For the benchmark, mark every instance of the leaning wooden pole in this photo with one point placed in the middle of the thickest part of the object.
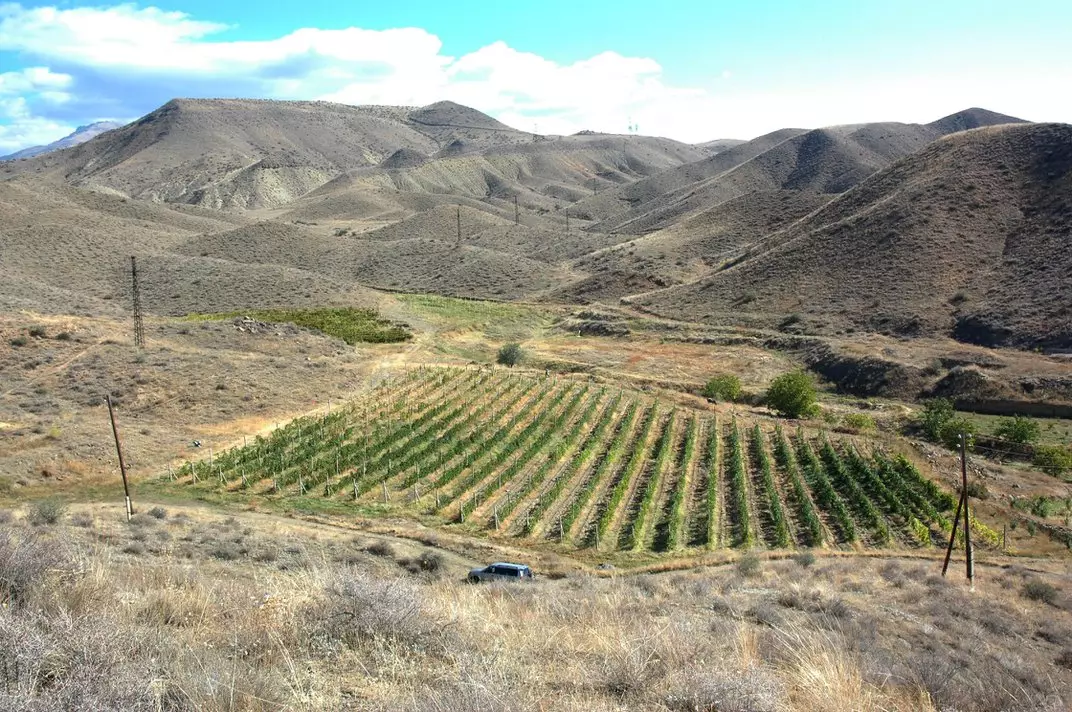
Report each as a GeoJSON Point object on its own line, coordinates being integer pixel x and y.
{"type": "Point", "coordinates": [119, 452]}
{"type": "Point", "coordinates": [969, 554]}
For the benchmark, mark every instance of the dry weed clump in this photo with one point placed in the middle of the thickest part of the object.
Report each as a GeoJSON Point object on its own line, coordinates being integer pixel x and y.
{"type": "Point", "coordinates": [26, 560]}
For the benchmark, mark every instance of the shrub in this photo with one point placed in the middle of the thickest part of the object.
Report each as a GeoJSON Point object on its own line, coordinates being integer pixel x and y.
{"type": "Point", "coordinates": [858, 422]}
{"type": "Point", "coordinates": [1019, 429]}
{"type": "Point", "coordinates": [804, 558]}
{"type": "Point", "coordinates": [1053, 459]}
{"type": "Point", "coordinates": [19, 341]}
{"type": "Point", "coordinates": [357, 607]}
{"type": "Point", "coordinates": [38, 332]}
{"type": "Point", "coordinates": [949, 434]}
{"type": "Point", "coordinates": [431, 561]}
{"type": "Point", "coordinates": [748, 565]}
{"type": "Point", "coordinates": [723, 387]}
{"type": "Point", "coordinates": [936, 413]}
{"type": "Point", "coordinates": [225, 551]}
{"type": "Point", "coordinates": [63, 336]}
{"type": "Point", "coordinates": [380, 548]}
{"type": "Point", "coordinates": [157, 513]}
{"type": "Point", "coordinates": [793, 395]}
{"type": "Point", "coordinates": [1037, 590]}
{"type": "Point", "coordinates": [510, 355]}
{"type": "Point", "coordinates": [47, 511]}
{"type": "Point", "coordinates": [24, 563]}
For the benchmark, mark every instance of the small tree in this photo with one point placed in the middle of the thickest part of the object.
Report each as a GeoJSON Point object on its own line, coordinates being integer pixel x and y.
{"type": "Point", "coordinates": [793, 395]}
{"type": "Point", "coordinates": [510, 355]}
{"type": "Point", "coordinates": [723, 387]}
{"type": "Point", "coordinates": [936, 413]}
{"type": "Point", "coordinates": [1019, 429]}
{"type": "Point", "coordinates": [949, 434]}
{"type": "Point", "coordinates": [1053, 459]}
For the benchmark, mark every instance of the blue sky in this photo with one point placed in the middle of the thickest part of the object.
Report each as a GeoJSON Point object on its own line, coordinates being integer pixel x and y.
{"type": "Point", "coordinates": [688, 70]}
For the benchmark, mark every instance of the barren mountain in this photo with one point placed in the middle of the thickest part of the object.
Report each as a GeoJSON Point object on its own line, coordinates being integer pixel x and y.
{"type": "Point", "coordinates": [828, 160]}
{"type": "Point", "coordinates": [689, 249]}
{"type": "Point", "coordinates": [969, 236]}
{"type": "Point", "coordinates": [972, 119]}
{"type": "Point", "coordinates": [446, 199]}
{"type": "Point", "coordinates": [264, 154]}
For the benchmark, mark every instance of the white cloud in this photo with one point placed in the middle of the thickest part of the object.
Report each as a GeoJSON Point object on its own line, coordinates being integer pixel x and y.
{"type": "Point", "coordinates": [33, 79]}
{"type": "Point", "coordinates": [125, 60]}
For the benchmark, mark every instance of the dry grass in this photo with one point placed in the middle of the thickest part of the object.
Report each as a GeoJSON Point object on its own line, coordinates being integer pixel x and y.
{"type": "Point", "coordinates": [96, 628]}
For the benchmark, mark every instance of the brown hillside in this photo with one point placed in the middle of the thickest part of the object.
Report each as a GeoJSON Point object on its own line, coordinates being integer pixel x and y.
{"type": "Point", "coordinates": [219, 152]}
{"type": "Point", "coordinates": [824, 161]}
{"type": "Point", "coordinates": [635, 196]}
{"type": "Point", "coordinates": [691, 248]}
{"type": "Point", "coordinates": [972, 119]}
{"type": "Point", "coordinates": [969, 236]}
{"type": "Point", "coordinates": [67, 250]}
{"type": "Point", "coordinates": [828, 160]}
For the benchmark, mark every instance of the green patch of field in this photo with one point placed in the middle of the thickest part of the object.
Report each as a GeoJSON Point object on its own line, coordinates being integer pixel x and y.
{"type": "Point", "coordinates": [578, 466]}
{"type": "Point", "coordinates": [497, 320]}
{"type": "Point", "coordinates": [1053, 431]}
{"type": "Point", "coordinates": [349, 324]}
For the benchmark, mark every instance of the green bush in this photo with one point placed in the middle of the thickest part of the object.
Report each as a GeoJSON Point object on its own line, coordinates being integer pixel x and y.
{"type": "Point", "coordinates": [1019, 429]}
{"type": "Point", "coordinates": [859, 422]}
{"type": "Point", "coordinates": [1053, 459]}
{"type": "Point", "coordinates": [723, 387]}
{"type": "Point", "coordinates": [949, 434]}
{"type": "Point", "coordinates": [793, 395]}
{"type": "Point", "coordinates": [510, 355]}
{"type": "Point", "coordinates": [936, 413]}
{"type": "Point", "coordinates": [19, 341]}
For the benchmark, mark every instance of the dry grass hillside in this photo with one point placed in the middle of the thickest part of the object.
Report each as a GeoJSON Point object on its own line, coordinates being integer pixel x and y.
{"type": "Point", "coordinates": [952, 239]}
{"type": "Point", "coordinates": [264, 154]}
{"type": "Point", "coordinates": [690, 248]}
{"type": "Point", "coordinates": [608, 203]}
{"type": "Point", "coordinates": [828, 160]}
{"type": "Point", "coordinates": [185, 608]}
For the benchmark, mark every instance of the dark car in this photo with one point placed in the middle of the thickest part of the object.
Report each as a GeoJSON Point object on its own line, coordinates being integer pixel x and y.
{"type": "Point", "coordinates": [501, 572]}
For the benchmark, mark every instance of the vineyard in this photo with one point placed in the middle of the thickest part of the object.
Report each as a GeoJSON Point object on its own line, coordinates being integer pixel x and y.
{"type": "Point", "coordinates": [584, 465]}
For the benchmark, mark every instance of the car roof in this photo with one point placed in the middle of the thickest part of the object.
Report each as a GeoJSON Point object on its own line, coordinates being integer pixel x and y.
{"type": "Point", "coordinates": [512, 566]}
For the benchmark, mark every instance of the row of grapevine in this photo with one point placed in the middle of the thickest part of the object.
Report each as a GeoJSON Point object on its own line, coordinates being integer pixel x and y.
{"type": "Point", "coordinates": [777, 533]}
{"type": "Point", "coordinates": [737, 501]}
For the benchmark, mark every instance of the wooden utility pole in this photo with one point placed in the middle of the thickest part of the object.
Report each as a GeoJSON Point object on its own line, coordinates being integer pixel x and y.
{"type": "Point", "coordinates": [969, 562]}
{"type": "Point", "coordinates": [139, 328]}
{"type": "Point", "coordinates": [459, 227]}
{"type": "Point", "coordinates": [517, 213]}
{"type": "Point", "coordinates": [962, 504]}
{"type": "Point", "coordinates": [119, 452]}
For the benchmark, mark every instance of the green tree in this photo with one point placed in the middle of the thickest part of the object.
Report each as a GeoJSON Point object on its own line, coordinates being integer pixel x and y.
{"type": "Point", "coordinates": [1019, 429]}
{"type": "Point", "coordinates": [723, 387]}
{"type": "Point", "coordinates": [1053, 459]}
{"type": "Point", "coordinates": [949, 433]}
{"type": "Point", "coordinates": [793, 395]}
{"type": "Point", "coordinates": [936, 413]}
{"type": "Point", "coordinates": [510, 355]}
